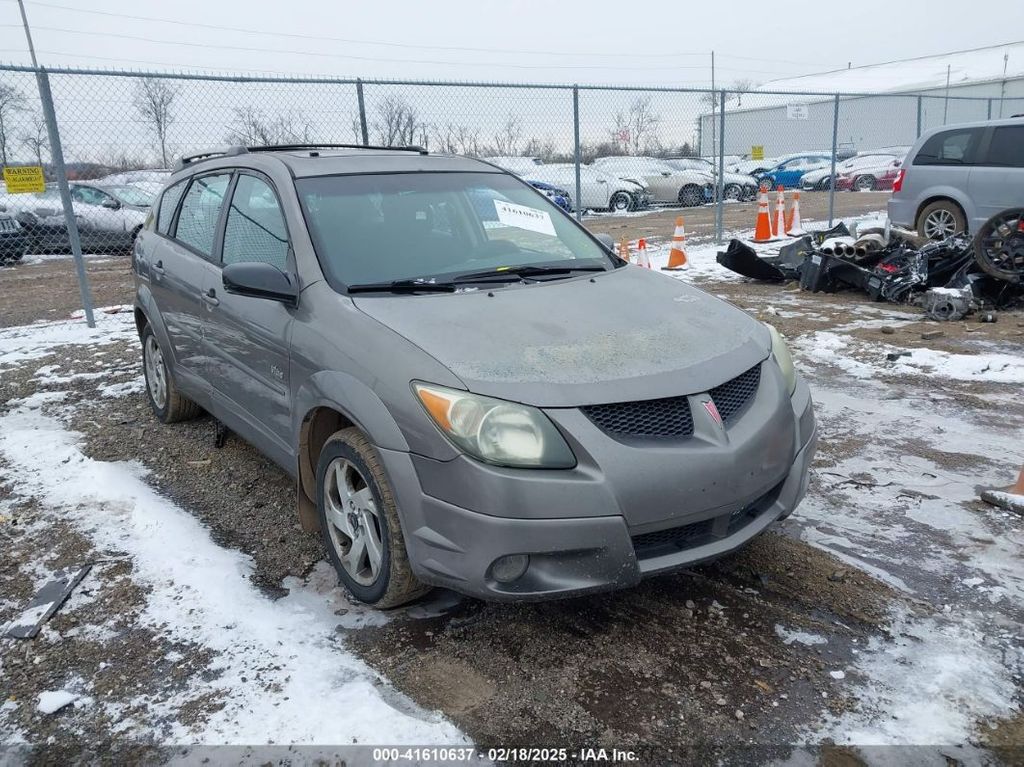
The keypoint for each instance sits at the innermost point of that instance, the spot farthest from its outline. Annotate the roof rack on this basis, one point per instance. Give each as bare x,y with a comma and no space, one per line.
287,147
224,151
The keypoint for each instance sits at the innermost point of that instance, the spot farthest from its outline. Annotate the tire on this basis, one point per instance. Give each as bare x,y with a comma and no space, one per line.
865,183
769,182
168,404
999,246
620,202
824,185
356,508
733,192
941,219
691,196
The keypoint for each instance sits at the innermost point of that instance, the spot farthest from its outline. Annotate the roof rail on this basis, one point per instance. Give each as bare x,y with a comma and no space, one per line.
224,151
287,147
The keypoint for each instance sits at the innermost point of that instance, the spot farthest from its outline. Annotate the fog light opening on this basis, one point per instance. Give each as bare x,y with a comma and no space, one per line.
510,567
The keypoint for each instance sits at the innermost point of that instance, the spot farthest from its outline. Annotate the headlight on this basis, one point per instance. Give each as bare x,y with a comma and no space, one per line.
783,358
496,431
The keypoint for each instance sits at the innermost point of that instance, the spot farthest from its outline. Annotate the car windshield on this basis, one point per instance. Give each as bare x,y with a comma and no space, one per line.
381,228
131,195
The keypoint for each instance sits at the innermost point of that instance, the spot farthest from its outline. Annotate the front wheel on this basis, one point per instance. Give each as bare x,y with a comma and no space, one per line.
620,202
359,523
864,183
732,192
999,246
691,196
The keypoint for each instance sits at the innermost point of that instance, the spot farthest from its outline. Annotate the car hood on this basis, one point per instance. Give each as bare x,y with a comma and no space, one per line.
631,334
819,174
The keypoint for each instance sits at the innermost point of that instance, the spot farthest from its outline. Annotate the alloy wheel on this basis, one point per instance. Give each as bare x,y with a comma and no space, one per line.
354,521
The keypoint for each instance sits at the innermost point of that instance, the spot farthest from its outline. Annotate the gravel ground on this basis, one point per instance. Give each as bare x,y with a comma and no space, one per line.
701,658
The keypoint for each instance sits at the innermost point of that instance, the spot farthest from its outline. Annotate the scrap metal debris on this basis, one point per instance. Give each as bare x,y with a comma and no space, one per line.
45,603
945,277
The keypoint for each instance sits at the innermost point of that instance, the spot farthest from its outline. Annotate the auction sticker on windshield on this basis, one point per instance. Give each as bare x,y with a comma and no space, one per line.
522,217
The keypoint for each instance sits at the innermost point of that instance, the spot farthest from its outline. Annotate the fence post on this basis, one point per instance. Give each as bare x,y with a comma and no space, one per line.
57,158
576,144
362,112
835,149
989,116
720,185
919,115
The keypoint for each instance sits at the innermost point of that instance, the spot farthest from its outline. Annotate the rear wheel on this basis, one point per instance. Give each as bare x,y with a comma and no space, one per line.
999,246
732,192
167,403
359,523
690,196
620,202
941,219
865,183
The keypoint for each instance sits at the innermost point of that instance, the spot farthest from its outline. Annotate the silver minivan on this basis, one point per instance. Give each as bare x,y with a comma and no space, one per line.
959,176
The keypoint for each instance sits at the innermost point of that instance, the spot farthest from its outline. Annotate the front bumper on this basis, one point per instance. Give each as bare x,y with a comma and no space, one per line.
573,525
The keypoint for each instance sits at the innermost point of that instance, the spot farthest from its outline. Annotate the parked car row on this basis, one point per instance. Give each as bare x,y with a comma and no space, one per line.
628,183
109,217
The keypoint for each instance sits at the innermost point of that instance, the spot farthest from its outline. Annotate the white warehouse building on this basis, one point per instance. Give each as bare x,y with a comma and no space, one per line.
983,83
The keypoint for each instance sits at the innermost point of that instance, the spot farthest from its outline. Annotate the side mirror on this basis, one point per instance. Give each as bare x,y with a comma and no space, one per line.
258,280
110,203
607,240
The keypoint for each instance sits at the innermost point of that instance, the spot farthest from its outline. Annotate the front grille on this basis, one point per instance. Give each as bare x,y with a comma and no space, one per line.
733,396
653,418
671,540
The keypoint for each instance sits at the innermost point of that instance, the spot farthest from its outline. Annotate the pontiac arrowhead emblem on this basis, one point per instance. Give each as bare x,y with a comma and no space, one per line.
713,412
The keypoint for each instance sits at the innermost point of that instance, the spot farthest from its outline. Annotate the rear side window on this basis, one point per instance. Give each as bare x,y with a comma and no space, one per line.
255,228
168,202
1007,147
954,147
200,211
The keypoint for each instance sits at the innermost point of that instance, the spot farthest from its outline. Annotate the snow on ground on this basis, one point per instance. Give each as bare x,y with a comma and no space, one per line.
200,592
879,506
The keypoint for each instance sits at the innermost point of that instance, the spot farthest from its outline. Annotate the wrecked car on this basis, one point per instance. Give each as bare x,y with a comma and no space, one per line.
425,343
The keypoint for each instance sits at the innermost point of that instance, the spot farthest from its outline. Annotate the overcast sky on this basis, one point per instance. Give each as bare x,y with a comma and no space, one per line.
653,42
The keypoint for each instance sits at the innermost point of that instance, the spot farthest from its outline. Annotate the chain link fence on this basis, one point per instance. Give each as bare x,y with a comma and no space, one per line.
595,150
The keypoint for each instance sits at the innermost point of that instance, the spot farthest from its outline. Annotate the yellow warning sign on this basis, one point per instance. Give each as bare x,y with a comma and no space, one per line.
757,152
23,179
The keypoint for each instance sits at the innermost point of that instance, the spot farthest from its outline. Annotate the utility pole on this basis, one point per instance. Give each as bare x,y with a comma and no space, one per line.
57,157
713,112
945,106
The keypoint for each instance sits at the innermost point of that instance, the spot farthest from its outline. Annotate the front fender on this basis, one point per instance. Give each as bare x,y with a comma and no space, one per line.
355,400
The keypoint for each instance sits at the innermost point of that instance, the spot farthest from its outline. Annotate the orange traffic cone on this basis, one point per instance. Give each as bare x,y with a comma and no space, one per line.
763,228
624,249
677,255
779,222
641,253
795,227
1018,488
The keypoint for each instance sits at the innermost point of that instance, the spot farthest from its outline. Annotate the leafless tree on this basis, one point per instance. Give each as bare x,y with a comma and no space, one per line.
739,87
458,139
397,123
251,127
636,130
507,138
154,98
12,101
36,139
541,148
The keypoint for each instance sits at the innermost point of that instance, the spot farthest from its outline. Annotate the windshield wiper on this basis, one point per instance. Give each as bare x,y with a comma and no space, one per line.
498,275
403,286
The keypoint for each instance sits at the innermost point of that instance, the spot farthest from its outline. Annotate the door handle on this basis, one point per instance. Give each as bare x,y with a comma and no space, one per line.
210,297
158,267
